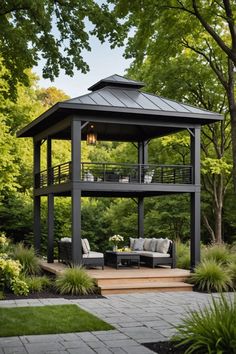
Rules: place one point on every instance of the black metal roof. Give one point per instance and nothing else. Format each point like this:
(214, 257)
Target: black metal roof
(116, 94)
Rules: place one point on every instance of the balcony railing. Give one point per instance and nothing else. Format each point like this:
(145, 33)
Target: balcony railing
(117, 173)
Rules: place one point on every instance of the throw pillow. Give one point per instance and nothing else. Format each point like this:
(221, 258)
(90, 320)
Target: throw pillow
(158, 244)
(152, 246)
(131, 242)
(85, 245)
(163, 245)
(146, 244)
(138, 244)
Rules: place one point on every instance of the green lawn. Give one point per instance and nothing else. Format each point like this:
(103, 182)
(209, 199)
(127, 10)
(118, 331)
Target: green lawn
(48, 319)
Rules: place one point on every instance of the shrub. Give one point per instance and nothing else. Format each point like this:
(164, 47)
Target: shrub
(4, 243)
(28, 259)
(183, 255)
(218, 253)
(210, 276)
(37, 284)
(10, 275)
(209, 330)
(74, 281)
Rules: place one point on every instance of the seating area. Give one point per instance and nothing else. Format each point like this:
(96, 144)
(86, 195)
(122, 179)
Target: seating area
(152, 252)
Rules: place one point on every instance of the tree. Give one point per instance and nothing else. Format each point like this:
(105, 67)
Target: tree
(185, 77)
(167, 28)
(56, 30)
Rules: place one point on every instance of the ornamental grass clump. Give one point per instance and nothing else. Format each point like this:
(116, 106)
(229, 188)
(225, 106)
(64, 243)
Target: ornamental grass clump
(209, 330)
(218, 253)
(210, 276)
(28, 259)
(182, 255)
(37, 284)
(74, 281)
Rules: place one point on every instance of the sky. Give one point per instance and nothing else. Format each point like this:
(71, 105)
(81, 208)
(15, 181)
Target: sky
(102, 61)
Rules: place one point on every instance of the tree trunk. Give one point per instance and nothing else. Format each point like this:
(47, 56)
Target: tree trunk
(218, 225)
(232, 110)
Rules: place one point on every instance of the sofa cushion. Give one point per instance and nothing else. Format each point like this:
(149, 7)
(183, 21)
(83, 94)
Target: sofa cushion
(131, 242)
(85, 245)
(138, 244)
(154, 254)
(93, 255)
(146, 245)
(163, 245)
(152, 245)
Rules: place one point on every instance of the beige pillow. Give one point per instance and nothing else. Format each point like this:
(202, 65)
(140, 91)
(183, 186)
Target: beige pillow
(163, 245)
(152, 246)
(146, 244)
(85, 245)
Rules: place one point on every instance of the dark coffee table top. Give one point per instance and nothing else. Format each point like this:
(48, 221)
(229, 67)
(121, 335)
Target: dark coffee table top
(129, 253)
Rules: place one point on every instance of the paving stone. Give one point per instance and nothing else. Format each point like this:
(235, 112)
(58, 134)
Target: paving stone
(85, 351)
(168, 332)
(10, 342)
(119, 343)
(118, 351)
(14, 350)
(69, 336)
(111, 336)
(44, 338)
(96, 344)
(103, 351)
(86, 336)
(74, 344)
(36, 348)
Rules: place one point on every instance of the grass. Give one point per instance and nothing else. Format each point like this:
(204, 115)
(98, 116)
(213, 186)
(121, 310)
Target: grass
(20, 321)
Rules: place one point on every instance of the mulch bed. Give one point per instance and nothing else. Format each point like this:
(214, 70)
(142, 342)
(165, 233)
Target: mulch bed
(50, 294)
(164, 348)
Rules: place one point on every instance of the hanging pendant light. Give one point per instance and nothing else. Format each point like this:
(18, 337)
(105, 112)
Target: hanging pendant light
(91, 136)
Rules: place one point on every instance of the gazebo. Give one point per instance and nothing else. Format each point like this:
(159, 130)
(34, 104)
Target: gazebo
(115, 110)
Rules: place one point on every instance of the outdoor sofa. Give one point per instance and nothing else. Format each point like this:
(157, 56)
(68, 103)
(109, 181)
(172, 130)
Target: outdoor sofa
(154, 251)
(89, 258)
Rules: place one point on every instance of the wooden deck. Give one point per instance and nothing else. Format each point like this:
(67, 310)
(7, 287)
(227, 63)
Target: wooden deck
(132, 280)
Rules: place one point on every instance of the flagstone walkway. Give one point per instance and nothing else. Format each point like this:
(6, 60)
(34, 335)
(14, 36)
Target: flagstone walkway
(138, 318)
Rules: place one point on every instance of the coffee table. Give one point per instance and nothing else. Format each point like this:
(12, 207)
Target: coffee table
(117, 259)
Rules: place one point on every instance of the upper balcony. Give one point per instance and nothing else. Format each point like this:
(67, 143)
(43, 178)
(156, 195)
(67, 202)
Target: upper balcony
(97, 172)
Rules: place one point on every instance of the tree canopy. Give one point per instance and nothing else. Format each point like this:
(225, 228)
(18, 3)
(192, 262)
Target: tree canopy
(54, 30)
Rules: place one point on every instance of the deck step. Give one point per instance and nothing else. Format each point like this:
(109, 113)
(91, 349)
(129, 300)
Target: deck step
(142, 287)
(140, 279)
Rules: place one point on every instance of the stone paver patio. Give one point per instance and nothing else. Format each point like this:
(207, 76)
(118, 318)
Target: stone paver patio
(138, 318)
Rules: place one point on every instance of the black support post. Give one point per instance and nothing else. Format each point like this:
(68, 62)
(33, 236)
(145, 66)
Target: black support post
(142, 159)
(50, 256)
(37, 200)
(76, 191)
(49, 160)
(195, 198)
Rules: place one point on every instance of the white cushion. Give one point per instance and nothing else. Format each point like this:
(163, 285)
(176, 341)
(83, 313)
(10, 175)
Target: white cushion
(65, 239)
(85, 245)
(146, 245)
(152, 245)
(131, 241)
(153, 254)
(138, 244)
(163, 245)
(93, 255)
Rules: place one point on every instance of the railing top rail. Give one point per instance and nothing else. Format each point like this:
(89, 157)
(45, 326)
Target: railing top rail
(132, 164)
